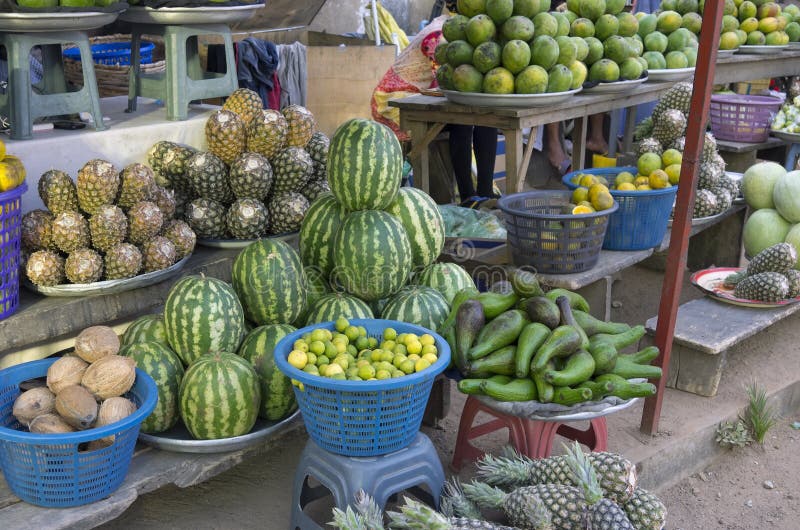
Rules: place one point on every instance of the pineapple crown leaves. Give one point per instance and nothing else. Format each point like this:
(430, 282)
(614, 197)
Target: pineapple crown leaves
(504, 471)
(644, 129)
(485, 495)
(347, 520)
(583, 474)
(369, 510)
(414, 515)
(455, 504)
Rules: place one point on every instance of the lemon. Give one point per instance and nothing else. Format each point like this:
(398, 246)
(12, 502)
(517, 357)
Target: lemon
(659, 179)
(383, 374)
(398, 360)
(641, 180)
(320, 335)
(595, 190)
(388, 345)
(377, 355)
(585, 203)
(298, 359)
(366, 372)
(342, 361)
(671, 156)
(9, 177)
(400, 349)
(626, 186)
(301, 345)
(648, 163)
(431, 358)
(622, 178)
(414, 357)
(332, 369)
(407, 366)
(578, 210)
(387, 356)
(421, 364)
(341, 347)
(312, 359)
(580, 195)
(341, 324)
(427, 339)
(673, 173)
(588, 181)
(414, 347)
(352, 333)
(317, 347)
(603, 201)
(389, 334)
(429, 348)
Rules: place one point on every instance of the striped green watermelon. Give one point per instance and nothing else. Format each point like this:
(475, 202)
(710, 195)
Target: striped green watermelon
(145, 329)
(202, 315)
(423, 222)
(270, 282)
(160, 363)
(419, 305)
(277, 396)
(372, 255)
(447, 278)
(316, 288)
(335, 305)
(318, 232)
(219, 396)
(365, 165)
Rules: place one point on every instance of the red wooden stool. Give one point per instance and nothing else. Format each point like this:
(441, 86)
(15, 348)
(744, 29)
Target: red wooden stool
(533, 439)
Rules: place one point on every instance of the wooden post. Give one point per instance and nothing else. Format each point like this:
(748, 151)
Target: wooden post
(679, 240)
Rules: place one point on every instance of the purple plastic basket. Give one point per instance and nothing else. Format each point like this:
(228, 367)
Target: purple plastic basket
(742, 118)
(10, 221)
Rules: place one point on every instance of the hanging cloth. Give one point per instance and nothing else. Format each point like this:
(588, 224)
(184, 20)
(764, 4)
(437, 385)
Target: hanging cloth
(292, 74)
(256, 62)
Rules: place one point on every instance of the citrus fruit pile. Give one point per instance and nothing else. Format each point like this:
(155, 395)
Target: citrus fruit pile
(348, 353)
(592, 194)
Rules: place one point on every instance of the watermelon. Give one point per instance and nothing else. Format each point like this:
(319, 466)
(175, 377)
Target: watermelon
(219, 396)
(147, 328)
(318, 232)
(335, 305)
(202, 315)
(277, 396)
(417, 304)
(423, 223)
(447, 278)
(160, 363)
(365, 165)
(270, 282)
(316, 288)
(372, 255)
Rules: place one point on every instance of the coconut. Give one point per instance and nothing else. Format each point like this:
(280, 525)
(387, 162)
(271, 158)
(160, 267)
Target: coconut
(111, 376)
(66, 371)
(33, 403)
(111, 411)
(50, 424)
(95, 343)
(77, 407)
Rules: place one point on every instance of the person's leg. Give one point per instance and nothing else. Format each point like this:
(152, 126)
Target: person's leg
(461, 157)
(554, 147)
(484, 141)
(596, 140)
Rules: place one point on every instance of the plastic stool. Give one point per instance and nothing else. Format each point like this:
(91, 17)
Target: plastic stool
(184, 80)
(792, 152)
(380, 476)
(533, 439)
(22, 105)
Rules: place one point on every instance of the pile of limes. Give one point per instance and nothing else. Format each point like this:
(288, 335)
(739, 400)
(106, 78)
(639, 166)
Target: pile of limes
(655, 172)
(592, 194)
(348, 353)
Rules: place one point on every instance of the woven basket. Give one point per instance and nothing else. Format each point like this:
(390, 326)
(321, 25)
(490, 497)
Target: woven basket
(113, 80)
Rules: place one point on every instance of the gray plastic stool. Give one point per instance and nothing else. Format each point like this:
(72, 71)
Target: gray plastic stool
(184, 80)
(22, 105)
(380, 476)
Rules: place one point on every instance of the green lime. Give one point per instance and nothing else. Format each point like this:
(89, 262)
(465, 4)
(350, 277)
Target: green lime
(389, 334)
(341, 324)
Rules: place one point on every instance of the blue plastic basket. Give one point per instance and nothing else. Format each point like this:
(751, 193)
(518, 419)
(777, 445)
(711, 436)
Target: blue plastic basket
(363, 418)
(53, 470)
(10, 232)
(114, 53)
(642, 218)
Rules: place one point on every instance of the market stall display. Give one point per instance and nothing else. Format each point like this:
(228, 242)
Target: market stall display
(765, 25)
(786, 122)
(774, 196)
(669, 37)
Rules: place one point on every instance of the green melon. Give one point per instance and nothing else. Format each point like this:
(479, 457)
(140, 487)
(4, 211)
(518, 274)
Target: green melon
(365, 165)
(269, 279)
(316, 288)
(277, 395)
(420, 216)
(447, 278)
(219, 396)
(318, 232)
(202, 315)
(146, 328)
(758, 184)
(160, 363)
(763, 229)
(417, 304)
(335, 305)
(372, 255)
(786, 196)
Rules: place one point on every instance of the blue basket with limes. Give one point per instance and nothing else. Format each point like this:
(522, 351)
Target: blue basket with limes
(642, 218)
(363, 418)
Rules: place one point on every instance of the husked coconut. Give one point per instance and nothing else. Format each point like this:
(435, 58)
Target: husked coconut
(110, 376)
(65, 372)
(33, 403)
(50, 424)
(77, 407)
(111, 411)
(96, 342)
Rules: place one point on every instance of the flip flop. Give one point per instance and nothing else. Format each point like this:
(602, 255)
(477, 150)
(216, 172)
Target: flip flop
(564, 167)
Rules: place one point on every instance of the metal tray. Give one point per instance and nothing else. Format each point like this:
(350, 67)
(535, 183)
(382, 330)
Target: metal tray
(242, 243)
(39, 22)
(70, 290)
(617, 86)
(179, 440)
(700, 221)
(761, 49)
(726, 53)
(584, 411)
(508, 100)
(670, 74)
(789, 137)
(189, 15)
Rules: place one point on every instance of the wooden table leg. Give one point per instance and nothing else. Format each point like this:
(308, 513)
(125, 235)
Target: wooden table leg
(579, 143)
(526, 161)
(513, 159)
(419, 150)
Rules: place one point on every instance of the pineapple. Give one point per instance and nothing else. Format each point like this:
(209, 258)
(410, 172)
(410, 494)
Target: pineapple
(302, 125)
(182, 236)
(317, 148)
(70, 231)
(649, 145)
(156, 154)
(532, 507)
(454, 503)
(123, 261)
(250, 177)
(182, 198)
(679, 97)
(669, 126)
(292, 168)
(144, 221)
(207, 218)
(645, 511)
(98, 184)
(58, 192)
(285, 212)
(174, 166)
(137, 184)
(709, 146)
(729, 184)
(724, 199)
(37, 230)
(617, 474)
(208, 177)
(415, 515)
(246, 219)
(108, 227)
(679, 144)
(314, 189)
(45, 268)
(158, 253)
(165, 200)
(793, 276)
(225, 135)
(705, 204)
(763, 287)
(267, 134)
(84, 266)
(709, 175)
(246, 104)
(781, 257)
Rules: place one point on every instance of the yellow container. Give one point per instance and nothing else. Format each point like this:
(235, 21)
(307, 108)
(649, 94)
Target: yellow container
(603, 161)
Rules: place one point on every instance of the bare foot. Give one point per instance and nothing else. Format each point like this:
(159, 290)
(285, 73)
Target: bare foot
(597, 146)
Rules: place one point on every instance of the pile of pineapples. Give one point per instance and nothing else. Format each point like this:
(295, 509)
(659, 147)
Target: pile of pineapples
(568, 492)
(107, 225)
(666, 129)
(261, 170)
(769, 277)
